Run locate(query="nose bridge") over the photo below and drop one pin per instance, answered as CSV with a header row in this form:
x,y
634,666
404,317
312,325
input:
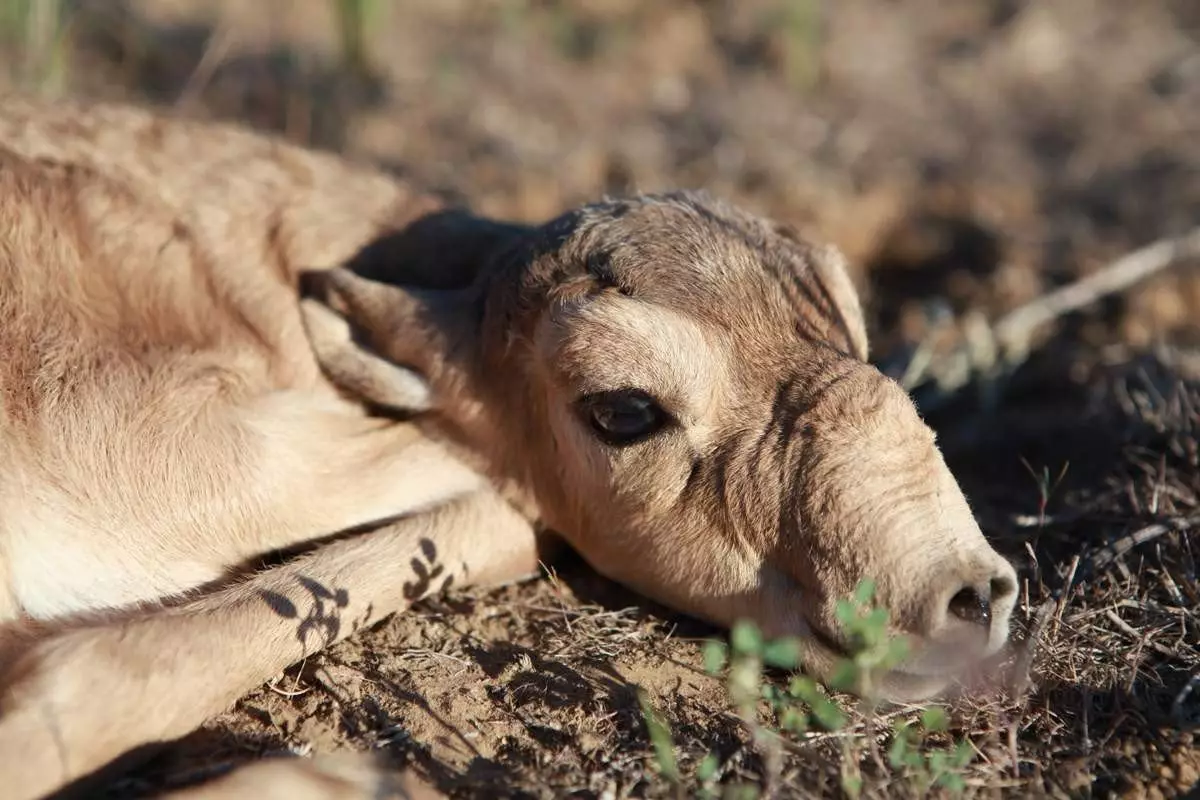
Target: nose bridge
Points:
x,y
878,501
966,580
916,521
863,482
954,548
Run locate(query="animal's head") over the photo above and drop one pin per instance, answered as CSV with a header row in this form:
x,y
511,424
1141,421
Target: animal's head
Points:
x,y
683,391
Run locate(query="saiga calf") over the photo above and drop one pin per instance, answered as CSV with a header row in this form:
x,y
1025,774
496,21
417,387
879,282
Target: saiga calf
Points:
x,y
212,348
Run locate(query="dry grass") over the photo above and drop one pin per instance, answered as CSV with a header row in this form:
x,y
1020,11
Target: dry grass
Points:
x,y
971,158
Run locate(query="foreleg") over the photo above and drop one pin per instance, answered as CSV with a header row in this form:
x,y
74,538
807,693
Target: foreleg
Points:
x,y
84,697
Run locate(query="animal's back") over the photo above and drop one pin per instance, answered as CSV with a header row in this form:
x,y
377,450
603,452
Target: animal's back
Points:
x,y
149,331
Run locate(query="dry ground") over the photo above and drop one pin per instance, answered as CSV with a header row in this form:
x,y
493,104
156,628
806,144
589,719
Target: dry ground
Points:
x,y
968,156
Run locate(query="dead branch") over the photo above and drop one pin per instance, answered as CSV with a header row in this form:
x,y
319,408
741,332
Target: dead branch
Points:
x,y
1120,547
988,349
1015,329
1144,640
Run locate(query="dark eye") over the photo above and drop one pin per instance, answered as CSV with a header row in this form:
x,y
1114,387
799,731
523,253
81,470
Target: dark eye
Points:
x,y
623,416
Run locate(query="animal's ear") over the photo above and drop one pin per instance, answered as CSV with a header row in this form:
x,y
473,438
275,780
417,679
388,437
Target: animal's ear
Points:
x,y
389,345
355,369
827,265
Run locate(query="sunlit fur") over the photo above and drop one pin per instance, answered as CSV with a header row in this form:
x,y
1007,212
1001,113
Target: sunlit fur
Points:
x,y
794,469
172,411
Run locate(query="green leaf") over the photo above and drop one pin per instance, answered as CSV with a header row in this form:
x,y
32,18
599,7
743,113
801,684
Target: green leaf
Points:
x,y
935,719
782,653
660,738
707,770
876,620
845,675
963,753
715,656
864,592
746,638
899,747
793,720
852,784
953,782
846,613
802,687
827,713
824,710
745,676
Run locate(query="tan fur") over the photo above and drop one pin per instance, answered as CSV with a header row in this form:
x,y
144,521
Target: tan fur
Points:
x,y
338,776
791,469
171,411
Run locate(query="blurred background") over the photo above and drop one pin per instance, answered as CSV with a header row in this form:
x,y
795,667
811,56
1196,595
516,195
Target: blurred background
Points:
x,y
974,154
968,156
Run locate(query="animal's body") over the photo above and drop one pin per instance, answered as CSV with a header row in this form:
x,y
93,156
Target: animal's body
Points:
x,y
188,379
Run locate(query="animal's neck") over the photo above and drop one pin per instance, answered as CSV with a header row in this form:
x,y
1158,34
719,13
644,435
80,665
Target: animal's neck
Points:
x,y
442,250
451,254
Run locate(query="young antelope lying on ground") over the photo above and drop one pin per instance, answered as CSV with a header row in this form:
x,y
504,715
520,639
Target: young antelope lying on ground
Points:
x,y
201,326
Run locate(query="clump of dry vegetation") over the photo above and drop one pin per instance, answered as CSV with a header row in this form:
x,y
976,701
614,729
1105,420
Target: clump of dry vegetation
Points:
x,y
980,162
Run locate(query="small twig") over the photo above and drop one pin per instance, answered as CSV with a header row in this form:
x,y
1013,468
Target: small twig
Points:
x,y
1065,593
1132,632
1120,547
1193,685
1010,337
424,651
1013,751
1020,521
1022,668
214,53
565,611
295,691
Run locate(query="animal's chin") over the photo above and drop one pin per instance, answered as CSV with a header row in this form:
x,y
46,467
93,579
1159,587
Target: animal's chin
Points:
x,y
905,687
919,679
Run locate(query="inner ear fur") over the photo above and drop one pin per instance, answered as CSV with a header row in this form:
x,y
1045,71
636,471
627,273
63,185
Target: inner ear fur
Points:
x,y
828,266
395,347
410,304
355,369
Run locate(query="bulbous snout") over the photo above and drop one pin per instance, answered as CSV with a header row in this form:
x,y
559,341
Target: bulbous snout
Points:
x,y
883,505
966,616
953,593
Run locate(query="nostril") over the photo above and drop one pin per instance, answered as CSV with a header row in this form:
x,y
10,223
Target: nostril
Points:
x,y
972,605
1004,591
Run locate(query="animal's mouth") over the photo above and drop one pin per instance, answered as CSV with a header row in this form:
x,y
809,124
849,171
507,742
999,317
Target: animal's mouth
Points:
x,y
917,679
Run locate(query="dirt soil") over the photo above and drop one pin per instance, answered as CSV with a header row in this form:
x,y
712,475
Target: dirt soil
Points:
x,y
968,157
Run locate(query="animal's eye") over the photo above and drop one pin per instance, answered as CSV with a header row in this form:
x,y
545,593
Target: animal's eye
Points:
x,y
624,416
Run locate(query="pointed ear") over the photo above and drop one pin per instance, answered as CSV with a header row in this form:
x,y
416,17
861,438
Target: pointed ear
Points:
x,y
828,266
392,346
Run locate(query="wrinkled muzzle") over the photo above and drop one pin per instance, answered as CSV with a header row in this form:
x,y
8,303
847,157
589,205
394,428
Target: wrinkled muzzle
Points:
x,y
879,503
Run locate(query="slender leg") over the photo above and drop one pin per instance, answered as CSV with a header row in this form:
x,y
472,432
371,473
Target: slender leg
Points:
x,y
84,697
338,776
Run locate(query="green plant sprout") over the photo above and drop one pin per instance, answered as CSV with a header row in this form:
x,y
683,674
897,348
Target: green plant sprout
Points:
x,y
802,707
38,30
354,19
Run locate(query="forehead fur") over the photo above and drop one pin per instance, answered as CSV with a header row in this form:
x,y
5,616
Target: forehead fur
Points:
x,y
696,256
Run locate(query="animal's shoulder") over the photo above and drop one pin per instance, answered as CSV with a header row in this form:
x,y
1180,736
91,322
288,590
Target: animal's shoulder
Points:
x,y
234,187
